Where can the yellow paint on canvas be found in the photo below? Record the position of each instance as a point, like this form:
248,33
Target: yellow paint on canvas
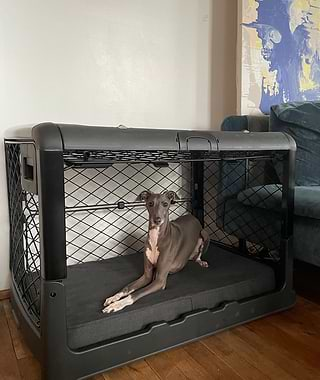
249,11
270,83
306,82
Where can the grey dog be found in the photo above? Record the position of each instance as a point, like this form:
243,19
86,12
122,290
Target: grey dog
169,246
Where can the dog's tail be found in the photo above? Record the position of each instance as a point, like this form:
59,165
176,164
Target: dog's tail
206,241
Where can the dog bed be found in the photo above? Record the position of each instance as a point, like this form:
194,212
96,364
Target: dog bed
230,277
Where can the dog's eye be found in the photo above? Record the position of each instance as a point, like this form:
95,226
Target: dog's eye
151,204
165,204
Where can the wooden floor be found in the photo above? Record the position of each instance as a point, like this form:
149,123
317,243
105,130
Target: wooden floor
284,346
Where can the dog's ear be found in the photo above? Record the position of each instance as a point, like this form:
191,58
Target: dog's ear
172,196
143,197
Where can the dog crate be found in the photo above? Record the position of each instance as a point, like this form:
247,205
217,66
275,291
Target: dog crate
77,235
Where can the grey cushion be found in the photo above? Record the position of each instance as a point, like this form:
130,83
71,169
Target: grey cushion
302,122
306,239
252,223
307,199
229,277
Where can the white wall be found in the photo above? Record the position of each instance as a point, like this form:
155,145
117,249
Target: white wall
143,63
223,61
137,62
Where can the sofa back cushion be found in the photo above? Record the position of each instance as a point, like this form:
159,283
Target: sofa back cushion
302,122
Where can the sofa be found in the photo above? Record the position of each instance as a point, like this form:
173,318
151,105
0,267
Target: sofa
302,122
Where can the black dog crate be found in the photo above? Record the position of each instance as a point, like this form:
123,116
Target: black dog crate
77,236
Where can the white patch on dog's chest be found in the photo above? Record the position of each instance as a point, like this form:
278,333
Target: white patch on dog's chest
152,250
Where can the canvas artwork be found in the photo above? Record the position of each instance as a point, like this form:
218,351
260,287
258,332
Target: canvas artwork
280,53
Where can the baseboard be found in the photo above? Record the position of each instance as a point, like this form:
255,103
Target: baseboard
4,294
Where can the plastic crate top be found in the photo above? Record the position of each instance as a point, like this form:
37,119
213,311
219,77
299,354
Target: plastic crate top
69,137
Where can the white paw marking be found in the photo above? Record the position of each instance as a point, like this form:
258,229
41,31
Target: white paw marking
118,305
114,298
203,264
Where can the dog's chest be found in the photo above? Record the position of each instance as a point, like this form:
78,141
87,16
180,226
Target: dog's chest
152,251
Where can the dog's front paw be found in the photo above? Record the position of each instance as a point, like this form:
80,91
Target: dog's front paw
112,299
118,305
203,264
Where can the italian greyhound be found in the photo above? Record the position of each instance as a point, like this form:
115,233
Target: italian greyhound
168,248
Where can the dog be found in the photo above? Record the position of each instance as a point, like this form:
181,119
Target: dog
168,248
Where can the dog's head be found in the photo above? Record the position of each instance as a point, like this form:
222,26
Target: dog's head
158,205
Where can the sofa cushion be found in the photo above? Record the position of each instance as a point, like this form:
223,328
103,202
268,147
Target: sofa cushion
253,224
306,199
302,122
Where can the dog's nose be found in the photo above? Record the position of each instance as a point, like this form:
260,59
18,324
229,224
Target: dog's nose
157,220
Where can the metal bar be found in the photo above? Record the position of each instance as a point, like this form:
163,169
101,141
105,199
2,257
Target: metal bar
111,206
84,164
287,219
51,214
197,191
19,141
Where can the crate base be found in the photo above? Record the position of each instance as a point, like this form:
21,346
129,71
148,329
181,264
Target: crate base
79,363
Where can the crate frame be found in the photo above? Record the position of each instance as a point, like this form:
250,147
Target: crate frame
49,340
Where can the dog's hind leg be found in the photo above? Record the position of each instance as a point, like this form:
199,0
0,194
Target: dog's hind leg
200,248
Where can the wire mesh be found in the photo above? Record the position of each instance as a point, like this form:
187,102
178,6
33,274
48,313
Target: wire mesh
120,227
24,235
242,202
117,229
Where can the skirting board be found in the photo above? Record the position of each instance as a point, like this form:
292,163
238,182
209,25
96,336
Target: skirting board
4,294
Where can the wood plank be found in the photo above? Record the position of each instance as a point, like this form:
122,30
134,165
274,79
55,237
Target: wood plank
29,369
307,315
275,354
121,373
8,362
255,358
284,346
97,377
4,294
219,345
217,368
279,338
188,366
20,348
177,364
301,331
136,371
165,366
307,304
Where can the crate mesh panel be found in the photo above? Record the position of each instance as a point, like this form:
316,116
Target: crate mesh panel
100,234
24,235
227,219
104,219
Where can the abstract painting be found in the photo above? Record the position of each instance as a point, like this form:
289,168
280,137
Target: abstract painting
280,53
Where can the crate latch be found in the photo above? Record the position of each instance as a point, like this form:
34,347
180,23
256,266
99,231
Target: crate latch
193,141
29,168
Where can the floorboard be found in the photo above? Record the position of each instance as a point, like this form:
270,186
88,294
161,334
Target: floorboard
9,369
284,346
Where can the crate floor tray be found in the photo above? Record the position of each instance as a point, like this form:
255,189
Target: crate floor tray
229,277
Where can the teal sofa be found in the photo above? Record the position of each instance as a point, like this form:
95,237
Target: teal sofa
302,122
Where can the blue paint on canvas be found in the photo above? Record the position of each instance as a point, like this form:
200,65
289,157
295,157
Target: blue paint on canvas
290,34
